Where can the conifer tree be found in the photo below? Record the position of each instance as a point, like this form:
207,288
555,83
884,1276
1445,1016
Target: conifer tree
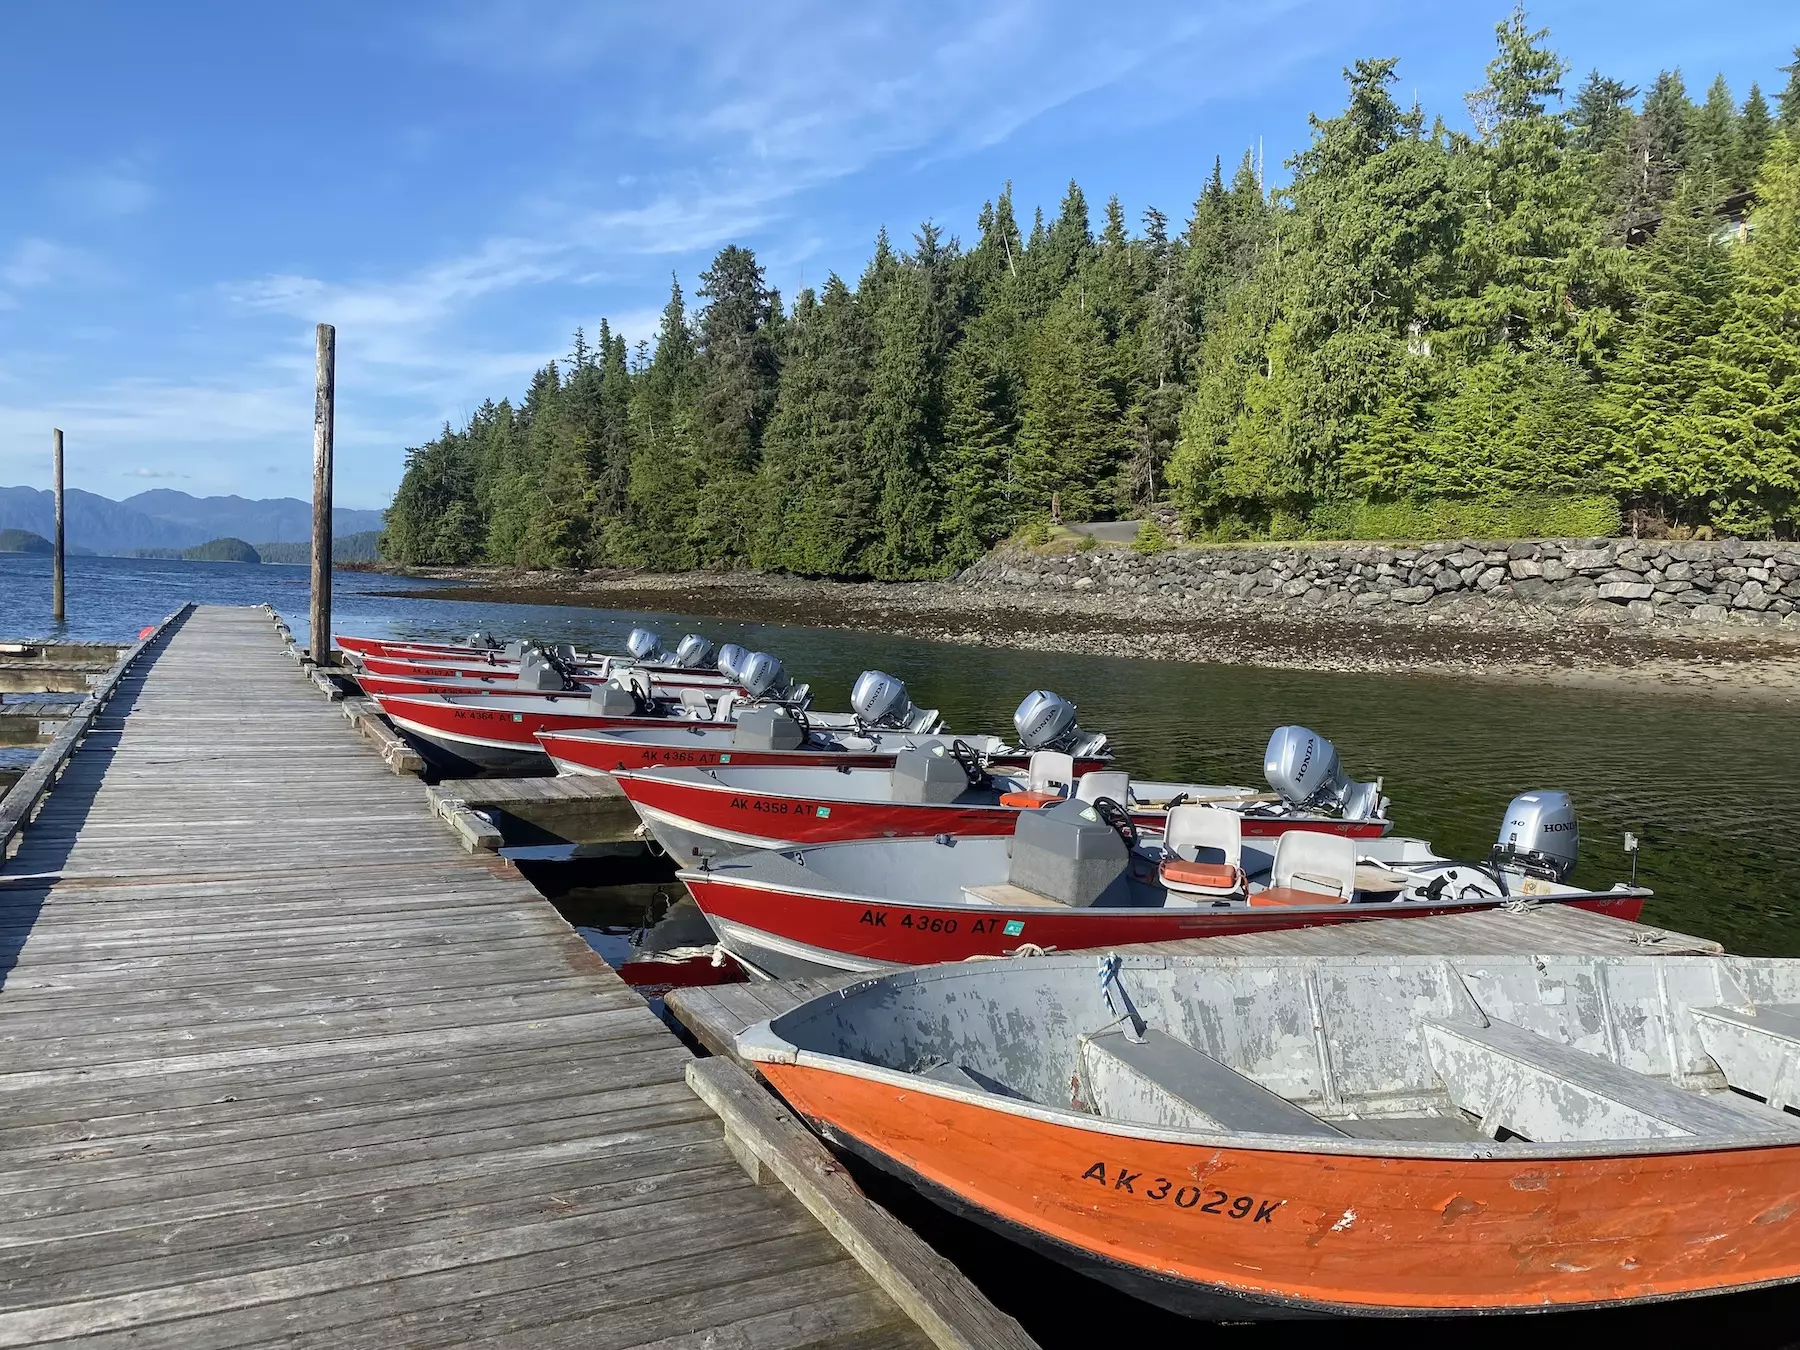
1787,102
1684,284
1755,127
1746,420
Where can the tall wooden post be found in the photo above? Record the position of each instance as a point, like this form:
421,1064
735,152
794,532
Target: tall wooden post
324,399
56,558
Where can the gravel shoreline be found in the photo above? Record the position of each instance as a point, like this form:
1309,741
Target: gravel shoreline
1510,644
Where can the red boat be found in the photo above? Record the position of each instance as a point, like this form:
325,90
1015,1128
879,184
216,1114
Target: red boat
700,744
692,810
480,731
1077,876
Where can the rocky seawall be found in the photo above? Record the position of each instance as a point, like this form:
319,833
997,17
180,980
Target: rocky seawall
1606,581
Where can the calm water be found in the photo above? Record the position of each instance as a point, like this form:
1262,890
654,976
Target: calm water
1710,788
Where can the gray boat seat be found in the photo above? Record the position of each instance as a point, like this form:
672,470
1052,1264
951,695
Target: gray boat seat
1051,771
694,704
1551,1093
1757,1051
1167,1082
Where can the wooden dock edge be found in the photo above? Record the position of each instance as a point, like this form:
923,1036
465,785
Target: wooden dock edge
773,1145
363,713
21,801
475,830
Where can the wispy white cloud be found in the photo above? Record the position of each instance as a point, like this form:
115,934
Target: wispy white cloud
35,263
108,191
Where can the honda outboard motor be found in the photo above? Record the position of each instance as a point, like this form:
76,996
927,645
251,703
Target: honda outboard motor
1066,852
642,644
1538,835
694,652
1302,766
1046,721
880,700
731,662
761,676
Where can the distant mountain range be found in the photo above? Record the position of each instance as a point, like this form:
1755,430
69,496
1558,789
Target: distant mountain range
164,518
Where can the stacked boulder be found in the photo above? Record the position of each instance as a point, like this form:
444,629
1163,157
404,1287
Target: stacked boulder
1589,580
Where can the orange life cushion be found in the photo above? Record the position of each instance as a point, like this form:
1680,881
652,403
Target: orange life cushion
1213,876
1277,897
1028,799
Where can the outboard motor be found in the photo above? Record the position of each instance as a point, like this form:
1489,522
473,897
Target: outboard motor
1302,766
1066,852
761,676
694,652
1539,836
880,700
1046,721
731,662
643,644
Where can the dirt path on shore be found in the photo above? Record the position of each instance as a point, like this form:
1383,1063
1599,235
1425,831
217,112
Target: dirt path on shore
1523,648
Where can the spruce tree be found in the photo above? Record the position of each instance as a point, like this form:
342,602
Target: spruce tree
1069,437
1684,283
1755,127
1787,102
1715,135
1746,421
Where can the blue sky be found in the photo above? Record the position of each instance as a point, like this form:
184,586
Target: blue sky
188,188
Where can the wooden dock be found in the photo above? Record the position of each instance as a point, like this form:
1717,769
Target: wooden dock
280,1062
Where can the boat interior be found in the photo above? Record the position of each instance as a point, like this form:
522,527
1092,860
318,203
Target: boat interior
1068,856
1419,1052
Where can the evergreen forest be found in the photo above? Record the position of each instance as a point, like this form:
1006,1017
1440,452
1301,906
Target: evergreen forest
1577,310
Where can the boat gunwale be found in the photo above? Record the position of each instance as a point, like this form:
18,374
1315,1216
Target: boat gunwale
716,874
762,1043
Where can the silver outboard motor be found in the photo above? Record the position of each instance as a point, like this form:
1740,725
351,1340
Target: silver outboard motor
1302,766
730,662
642,644
694,652
880,700
1046,721
1538,835
761,676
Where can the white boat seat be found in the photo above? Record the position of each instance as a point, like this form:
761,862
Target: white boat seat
1167,1082
1203,851
1050,771
727,709
1551,1093
1104,783
694,704
1758,1051
1306,860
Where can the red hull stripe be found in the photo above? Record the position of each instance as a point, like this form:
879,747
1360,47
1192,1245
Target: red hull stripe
881,933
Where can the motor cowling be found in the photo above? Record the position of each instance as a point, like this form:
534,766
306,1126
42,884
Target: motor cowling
730,662
1539,834
1046,721
879,699
694,652
1302,766
762,676
642,644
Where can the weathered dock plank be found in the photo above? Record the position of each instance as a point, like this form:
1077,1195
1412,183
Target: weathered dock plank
279,1062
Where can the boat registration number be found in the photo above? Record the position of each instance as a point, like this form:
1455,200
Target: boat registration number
1201,1200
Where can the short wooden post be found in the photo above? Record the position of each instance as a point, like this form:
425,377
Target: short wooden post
56,557
324,399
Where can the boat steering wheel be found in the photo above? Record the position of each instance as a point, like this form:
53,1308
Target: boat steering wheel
970,759
1119,819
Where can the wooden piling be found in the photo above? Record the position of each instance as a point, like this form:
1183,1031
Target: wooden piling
56,557
324,422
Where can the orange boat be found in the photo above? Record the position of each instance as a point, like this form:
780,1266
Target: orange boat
1301,1136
